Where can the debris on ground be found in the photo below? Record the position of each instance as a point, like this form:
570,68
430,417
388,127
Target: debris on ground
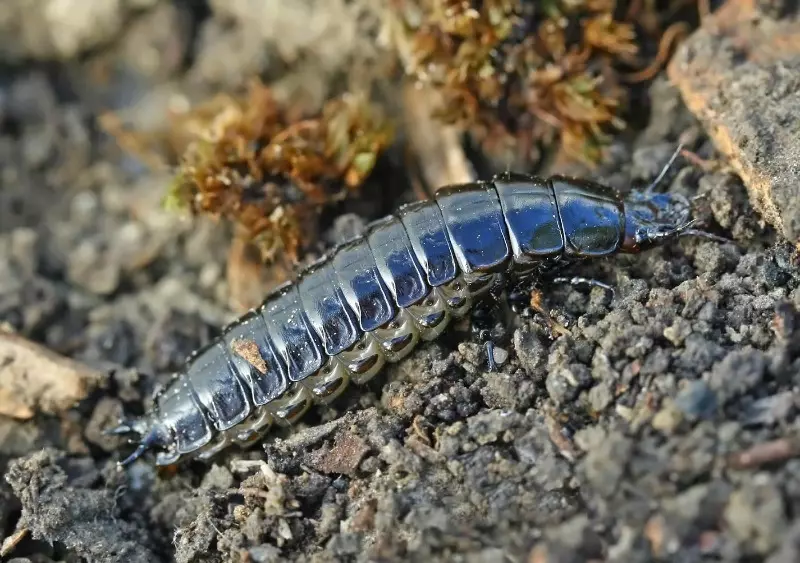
60,504
264,167
741,55
34,379
516,74
657,425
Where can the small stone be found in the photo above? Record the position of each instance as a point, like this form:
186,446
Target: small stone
677,332
265,554
756,516
61,29
94,269
500,355
531,352
590,437
218,478
789,551
739,372
604,466
696,400
547,467
600,396
667,419
769,410
558,388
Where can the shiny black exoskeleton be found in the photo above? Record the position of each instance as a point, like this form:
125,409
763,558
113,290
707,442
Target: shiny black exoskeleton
372,299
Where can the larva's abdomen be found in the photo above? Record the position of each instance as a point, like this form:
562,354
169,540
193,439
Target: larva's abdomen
475,226
370,301
592,217
298,346
222,394
326,306
532,219
396,261
254,358
360,281
428,235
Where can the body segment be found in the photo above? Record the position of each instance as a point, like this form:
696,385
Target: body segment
532,218
592,217
372,299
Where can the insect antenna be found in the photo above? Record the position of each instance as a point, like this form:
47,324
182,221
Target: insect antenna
703,234
661,175
686,231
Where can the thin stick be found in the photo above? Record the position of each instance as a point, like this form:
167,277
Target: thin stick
671,34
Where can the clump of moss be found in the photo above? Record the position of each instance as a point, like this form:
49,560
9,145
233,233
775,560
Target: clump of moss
515,73
267,169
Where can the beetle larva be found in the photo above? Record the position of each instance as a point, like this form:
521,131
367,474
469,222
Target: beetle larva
372,299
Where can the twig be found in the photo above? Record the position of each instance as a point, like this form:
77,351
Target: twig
670,36
765,452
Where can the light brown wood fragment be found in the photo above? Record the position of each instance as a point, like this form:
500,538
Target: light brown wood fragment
35,379
739,73
248,350
435,146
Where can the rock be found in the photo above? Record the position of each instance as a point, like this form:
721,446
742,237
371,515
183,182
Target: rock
696,400
739,60
243,38
60,29
790,549
58,504
32,378
604,466
667,419
756,516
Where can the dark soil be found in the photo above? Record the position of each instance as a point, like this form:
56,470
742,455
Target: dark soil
662,428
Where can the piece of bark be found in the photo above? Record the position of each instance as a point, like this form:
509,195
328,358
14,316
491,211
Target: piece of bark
435,146
35,379
739,73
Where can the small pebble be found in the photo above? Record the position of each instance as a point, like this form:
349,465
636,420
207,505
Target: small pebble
500,355
696,400
667,419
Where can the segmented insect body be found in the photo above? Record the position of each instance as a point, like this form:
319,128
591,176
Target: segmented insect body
372,299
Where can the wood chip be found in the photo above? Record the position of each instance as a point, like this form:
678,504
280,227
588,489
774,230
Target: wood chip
435,146
344,457
35,379
248,350
767,452
738,73
12,541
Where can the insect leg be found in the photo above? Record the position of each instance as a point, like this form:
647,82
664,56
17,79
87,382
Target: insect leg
492,321
577,280
490,361
537,306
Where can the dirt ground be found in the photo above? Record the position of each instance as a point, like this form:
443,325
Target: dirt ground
662,428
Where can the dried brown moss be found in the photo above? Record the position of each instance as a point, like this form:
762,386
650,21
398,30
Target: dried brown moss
515,73
264,167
